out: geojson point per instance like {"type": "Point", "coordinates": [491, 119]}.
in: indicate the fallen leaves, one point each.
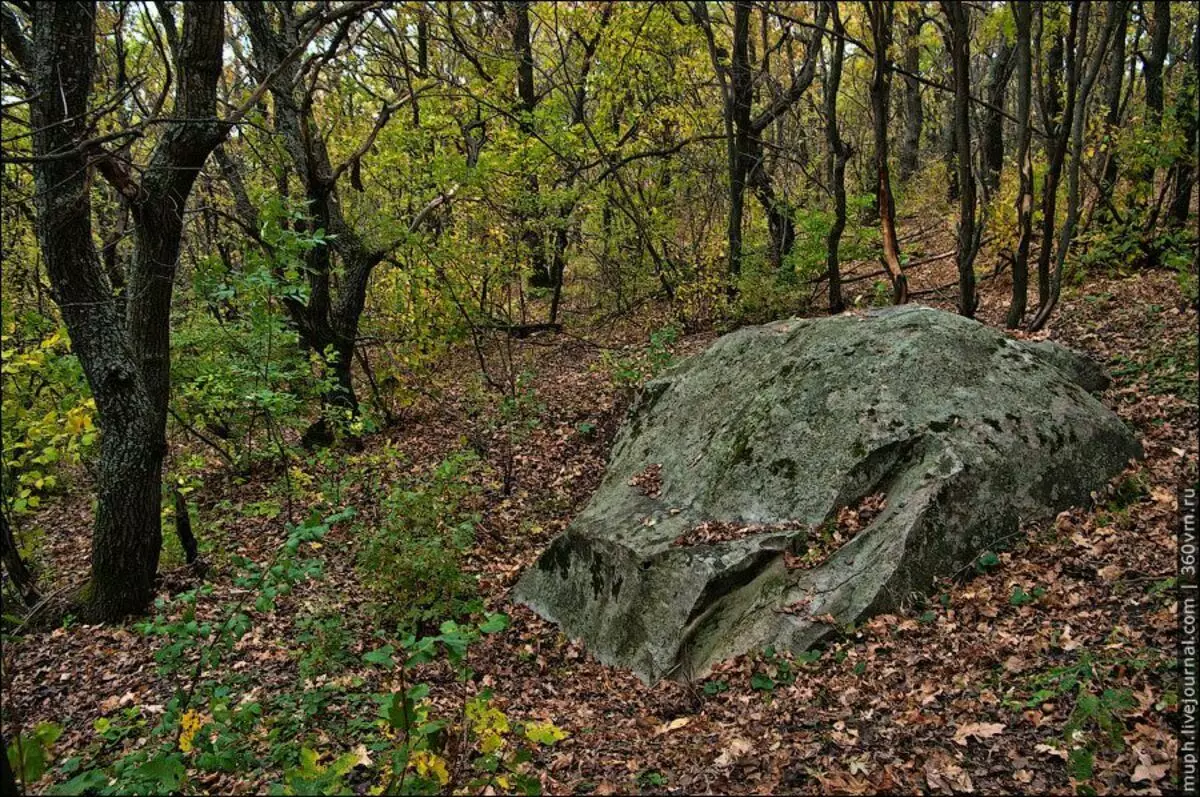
{"type": "Point", "coordinates": [977, 730]}
{"type": "Point", "coordinates": [930, 698]}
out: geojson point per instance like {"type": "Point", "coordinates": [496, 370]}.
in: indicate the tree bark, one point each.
{"type": "Point", "coordinates": [958, 29]}
{"type": "Point", "coordinates": [739, 153]}
{"type": "Point", "coordinates": [1159, 25]}
{"type": "Point", "coordinates": [839, 153]}
{"type": "Point", "coordinates": [22, 580]}
{"type": "Point", "coordinates": [1057, 128]}
{"type": "Point", "coordinates": [328, 322]}
{"type": "Point", "coordinates": [1023, 15]}
{"type": "Point", "coordinates": [531, 233]}
{"type": "Point", "coordinates": [879, 13]}
{"type": "Point", "coordinates": [1112, 101]}
{"type": "Point", "coordinates": [126, 365]}
{"type": "Point", "coordinates": [1183, 172]}
{"type": "Point", "coordinates": [999, 71]}
{"type": "Point", "coordinates": [1082, 77]}
{"type": "Point", "coordinates": [781, 228]}
{"type": "Point", "coordinates": [914, 118]}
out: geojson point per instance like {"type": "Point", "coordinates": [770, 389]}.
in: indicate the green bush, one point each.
{"type": "Point", "coordinates": [411, 560]}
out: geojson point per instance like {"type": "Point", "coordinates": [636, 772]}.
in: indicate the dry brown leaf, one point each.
{"type": "Point", "coordinates": [980, 730]}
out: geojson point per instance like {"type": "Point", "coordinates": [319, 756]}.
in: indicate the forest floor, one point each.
{"type": "Point", "coordinates": [1068, 640]}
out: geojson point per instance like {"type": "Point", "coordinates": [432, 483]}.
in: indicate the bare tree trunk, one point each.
{"type": "Point", "coordinates": [1023, 15]}
{"type": "Point", "coordinates": [839, 152]}
{"type": "Point", "coordinates": [914, 118]}
{"type": "Point", "coordinates": [1112, 99]}
{"type": "Point", "coordinates": [1183, 172]}
{"type": "Point", "coordinates": [958, 28]}
{"type": "Point", "coordinates": [18, 573]}
{"type": "Point", "coordinates": [879, 13]}
{"type": "Point", "coordinates": [999, 71]}
{"type": "Point", "coordinates": [531, 233]}
{"type": "Point", "coordinates": [1082, 75]}
{"type": "Point", "coordinates": [1057, 127]}
{"type": "Point", "coordinates": [741, 86]}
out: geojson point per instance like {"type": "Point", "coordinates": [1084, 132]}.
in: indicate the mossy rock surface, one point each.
{"type": "Point", "coordinates": [731, 466]}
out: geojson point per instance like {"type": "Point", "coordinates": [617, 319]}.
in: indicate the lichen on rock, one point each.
{"type": "Point", "coordinates": [956, 434]}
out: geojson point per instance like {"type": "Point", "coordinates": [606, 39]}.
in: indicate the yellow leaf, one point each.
{"type": "Point", "coordinates": [190, 723]}
{"type": "Point", "coordinates": [431, 766]}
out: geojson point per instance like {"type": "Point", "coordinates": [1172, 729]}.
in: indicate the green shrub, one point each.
{"type": "Point", "coordinates": [411, 560]}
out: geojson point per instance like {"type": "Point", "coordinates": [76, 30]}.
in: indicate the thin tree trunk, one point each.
{"type": "Point", "coordinates": [1183, 172]}
{"type": "Point", "coordinates": [1023, 15]}
{"type": "Point", "coordinates": [1152, 70]}
{"type": "Point", "coordinates": [531, 233]}
{"type": "Point", "coordinates": [1112, 100]}
{"type": "Point", "coordinates": [1083, 75]}
{"type": "Point", "coordinates": [1057, 127]}
{"type": "Point", "coordinates": [741, 86]}
{"type": "Point", "coordinates": [838, 154]}
{"type": "Point", "coordinates": [958, 36]}
{"type": "Point", "coordinates": [880, 13]}
{"type": "Point", "coordinates": [22, 580]}
{"type": "Point", "coordinates": [999, 71]}
{"type": "Point", "coordinates": [910, 144]}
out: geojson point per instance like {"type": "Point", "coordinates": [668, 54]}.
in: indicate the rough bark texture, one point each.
{"type": "Point", "coordinates": [1057, 127]}
{"type": "Point", "coordinates": [1183, 172]}
{"type": "Point", "coordinates": [1112, 101]}
{"type": "Point", "coordinates": [527, 102]}
{"type": "Point", "coordinates": [126, 364]}
{"type": "Point", "coordinates": [740, 88]}
{"type": "Point", "coordinates": [769, 433]}
{"type": "Point", "coordinates": [18, 573]}
{"type": "Point", "coordinates": [328, 322]}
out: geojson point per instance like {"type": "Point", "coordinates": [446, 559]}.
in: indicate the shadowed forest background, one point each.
{"type": "Point", "coordinates": [319, 319]}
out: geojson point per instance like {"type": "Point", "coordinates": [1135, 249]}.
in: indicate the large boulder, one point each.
{"type": "Point", "coordinates": [932, 436]}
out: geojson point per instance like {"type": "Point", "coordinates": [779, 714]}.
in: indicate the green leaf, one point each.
{"type": "Point", "coordinates": [494, 624]}
{"type": "Point", "coordinates": [165, 771]}
{"type": "Point", "coordinates": [546, 733]}
{"type": "Point", "coordinates": [381, 656]}
{"type": "Point", "coordinates": [762, 682]}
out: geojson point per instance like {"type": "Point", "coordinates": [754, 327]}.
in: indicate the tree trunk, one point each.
{"type": "Point", "coordinates": [1112, 101]}
{"type": "Point", "coordinates": [958, 27]}
{"type": "Point", "coordinates": [127, 367]}
{"type": "Point", "coordinates": [740, 157]}
{"type": "Point", "coordinates": [531, 233]}
{"type": "Point", "coordinates": [14, 565]}
{"type": "Point", "coordinates": [838, 154]}
{"type": "Point", "coordinates": [781, 230]}
{"type": "Point", "coordinates": [1023, 14]}
{"type": "Point", "coordinates": [1081, 78]}
{"type": "Point", "coordinates": [1152, 69]}
{"type": "Point", "coordinates": [999, 71]}
{"type": "Point", "coordinates": [910, 144]}
{"type": "Point", "coordinates": [880, 17]}
{"type": "Point", "coordinates": [1056, 147]}
{"type": "Point", "coordinates": [1183, 172]}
